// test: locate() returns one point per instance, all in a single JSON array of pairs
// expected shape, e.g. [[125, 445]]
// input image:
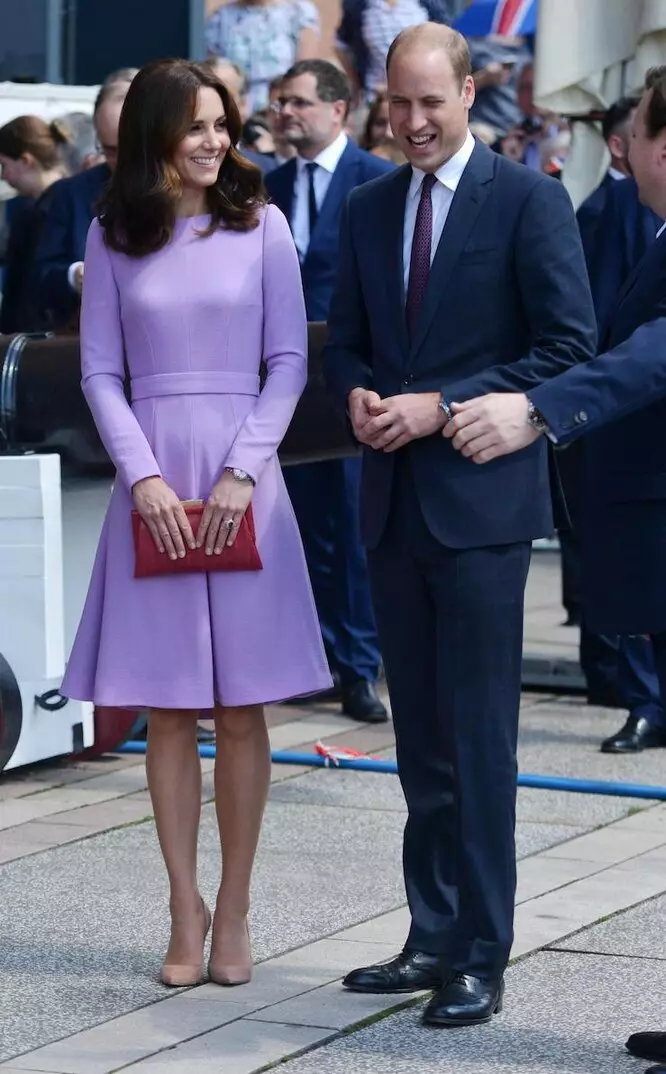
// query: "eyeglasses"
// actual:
[[106, 150], [298, 104]]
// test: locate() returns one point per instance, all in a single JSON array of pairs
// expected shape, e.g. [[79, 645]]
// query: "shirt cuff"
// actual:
[[71, 272]]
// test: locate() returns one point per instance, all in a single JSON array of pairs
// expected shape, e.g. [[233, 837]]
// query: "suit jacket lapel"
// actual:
[[468, 200], [341, 182], [282, 185], [392, 268]]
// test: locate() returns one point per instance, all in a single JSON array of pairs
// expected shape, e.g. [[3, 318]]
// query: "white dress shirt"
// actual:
[[327, 161], [448, 177], [661, 230], [616, 175]]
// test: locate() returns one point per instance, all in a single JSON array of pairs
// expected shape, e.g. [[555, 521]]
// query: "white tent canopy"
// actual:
[[589, 53]]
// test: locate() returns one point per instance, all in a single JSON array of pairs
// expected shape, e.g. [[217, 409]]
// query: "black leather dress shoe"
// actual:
[[648, 1046], [411, 971], [465, 1001], [360, 701], [659, 1069], [636, 735]]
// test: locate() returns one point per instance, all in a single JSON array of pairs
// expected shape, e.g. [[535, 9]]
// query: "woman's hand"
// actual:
[[223, 513], [164, 516]]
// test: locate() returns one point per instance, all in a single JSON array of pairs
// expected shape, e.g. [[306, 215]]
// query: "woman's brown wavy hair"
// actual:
[[138, 212]]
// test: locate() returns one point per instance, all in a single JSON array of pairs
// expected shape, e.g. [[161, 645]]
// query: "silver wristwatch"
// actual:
[[445, 406], [239, 475], [535, 418]]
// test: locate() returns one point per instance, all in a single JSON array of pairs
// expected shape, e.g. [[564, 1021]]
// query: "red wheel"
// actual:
[[11, 713], [112, 728]]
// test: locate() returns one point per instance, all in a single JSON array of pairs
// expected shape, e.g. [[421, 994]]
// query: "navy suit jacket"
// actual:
[[619, 398], [624, 231], [63, 240], [590, 212], [319, 268], [507, 306]]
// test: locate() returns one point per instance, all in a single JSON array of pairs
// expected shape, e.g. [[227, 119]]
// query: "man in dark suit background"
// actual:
[[618, 402], [311, 189], [461, 272], [615, 129], [616, 231], [59, 257]]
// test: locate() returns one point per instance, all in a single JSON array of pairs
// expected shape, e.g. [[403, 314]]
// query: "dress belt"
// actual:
[[192, 383]]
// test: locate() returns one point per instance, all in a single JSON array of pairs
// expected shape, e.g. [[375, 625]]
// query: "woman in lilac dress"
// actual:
[[191, 280]]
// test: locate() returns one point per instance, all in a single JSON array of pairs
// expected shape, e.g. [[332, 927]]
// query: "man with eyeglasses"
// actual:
[[59, 258], [311, 109]]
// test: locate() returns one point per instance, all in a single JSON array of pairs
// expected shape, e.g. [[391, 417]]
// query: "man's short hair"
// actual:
[[115, 86], [455, 46], [332, 83], [617, 116], [655, 117], [212, 62]]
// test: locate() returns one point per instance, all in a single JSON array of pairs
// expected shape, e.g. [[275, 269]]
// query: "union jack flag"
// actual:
[[511, 16]]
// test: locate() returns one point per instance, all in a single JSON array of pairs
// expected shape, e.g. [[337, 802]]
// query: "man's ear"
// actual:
[[616, 147]]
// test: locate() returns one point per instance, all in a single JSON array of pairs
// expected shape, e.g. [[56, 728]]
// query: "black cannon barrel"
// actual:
[[43, 409]]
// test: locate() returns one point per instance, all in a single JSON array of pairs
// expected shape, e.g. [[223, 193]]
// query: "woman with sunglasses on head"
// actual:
[[192, 279]]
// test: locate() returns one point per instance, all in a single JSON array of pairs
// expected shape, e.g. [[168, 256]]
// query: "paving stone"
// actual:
[[328, 1007], [131, 1038], [639, 932], [240, 1048]]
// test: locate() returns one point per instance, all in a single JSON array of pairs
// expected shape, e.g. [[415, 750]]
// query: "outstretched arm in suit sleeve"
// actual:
[[58, 302], [347, 355], [554, 289], [285, 351], [581, 400], [610, 387], [103, 367]]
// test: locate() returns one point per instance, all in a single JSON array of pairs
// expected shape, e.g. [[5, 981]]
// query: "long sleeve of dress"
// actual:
[[103, 366], [284, 350]]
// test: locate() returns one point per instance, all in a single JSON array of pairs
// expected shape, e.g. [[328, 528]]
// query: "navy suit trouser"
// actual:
[[325, 497], [451, 629]]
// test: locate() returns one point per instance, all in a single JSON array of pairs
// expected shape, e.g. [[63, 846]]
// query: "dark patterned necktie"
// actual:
[[312, 201], [419, 265]]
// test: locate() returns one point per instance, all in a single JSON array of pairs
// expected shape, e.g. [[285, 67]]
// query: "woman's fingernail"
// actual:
[[182, 554], [218, 551]]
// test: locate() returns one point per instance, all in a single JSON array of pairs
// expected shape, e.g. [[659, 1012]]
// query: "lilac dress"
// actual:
[[194, 321]]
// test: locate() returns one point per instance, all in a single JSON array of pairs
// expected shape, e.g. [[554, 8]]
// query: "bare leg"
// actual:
[[242, 777], [174, 781]]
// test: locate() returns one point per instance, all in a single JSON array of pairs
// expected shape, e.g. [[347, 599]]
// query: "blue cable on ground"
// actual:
[[371, 764]]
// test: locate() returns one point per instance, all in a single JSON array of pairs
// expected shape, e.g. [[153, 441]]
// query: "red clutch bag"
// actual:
[[242, 555]]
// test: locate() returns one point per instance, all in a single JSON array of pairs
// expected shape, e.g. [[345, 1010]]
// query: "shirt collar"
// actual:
[[662, 228], [329, 158], [616, 175], [450, 173]]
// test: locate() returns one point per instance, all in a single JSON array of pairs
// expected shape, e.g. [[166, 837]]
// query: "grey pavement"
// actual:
[[84, 923]]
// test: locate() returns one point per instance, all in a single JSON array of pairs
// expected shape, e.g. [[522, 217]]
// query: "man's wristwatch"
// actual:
[[239, 475], [445, 406], [535, 418]]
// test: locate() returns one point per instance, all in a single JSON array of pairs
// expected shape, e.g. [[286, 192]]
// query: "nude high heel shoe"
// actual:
[[230, 975], [176, 976]]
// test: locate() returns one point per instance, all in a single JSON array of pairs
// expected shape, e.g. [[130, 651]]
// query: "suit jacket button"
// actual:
[[408, 380], [581, 417]]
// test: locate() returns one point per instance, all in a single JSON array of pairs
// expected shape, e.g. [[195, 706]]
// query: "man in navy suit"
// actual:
[[311, 190], [464, 269], [615, 128], [618, 401], [616, 231], [59, 257]]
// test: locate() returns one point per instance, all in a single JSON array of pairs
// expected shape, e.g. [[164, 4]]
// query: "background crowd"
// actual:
[[269, 55]]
